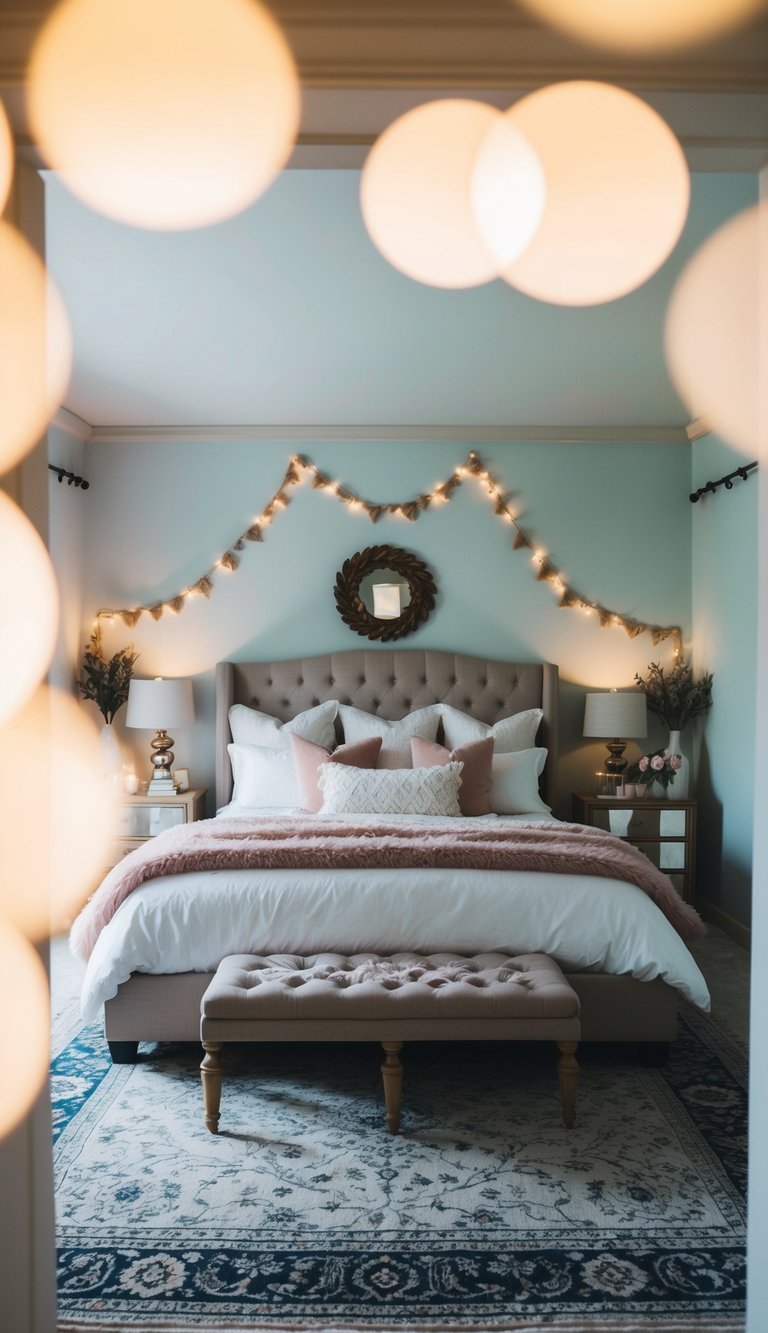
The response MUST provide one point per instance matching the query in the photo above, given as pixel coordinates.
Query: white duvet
(184, 923)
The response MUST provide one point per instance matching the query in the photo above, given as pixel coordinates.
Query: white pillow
(250, 727)
(402, 791)
(509, 733)
(263, 776)
(515, 783)
(395, 736)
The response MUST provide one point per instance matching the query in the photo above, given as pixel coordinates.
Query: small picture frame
(181, 779)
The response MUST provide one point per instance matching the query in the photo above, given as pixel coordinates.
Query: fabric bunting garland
(300, 470)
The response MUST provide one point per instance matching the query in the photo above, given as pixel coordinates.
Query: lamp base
(615, 763)
(162, 783)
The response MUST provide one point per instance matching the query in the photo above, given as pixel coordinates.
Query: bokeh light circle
(25, 1039)
(59, 814)
(7, 155)
(35, 347)
(508, 191)
(416, 192)
(167, 114)
(712, 332)
(644, 25)
(618, 191)
(29, 607)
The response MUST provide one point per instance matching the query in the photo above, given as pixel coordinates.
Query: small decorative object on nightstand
(665, 831)
(144, 816)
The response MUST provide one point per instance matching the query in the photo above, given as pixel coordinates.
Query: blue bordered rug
(484, 1213)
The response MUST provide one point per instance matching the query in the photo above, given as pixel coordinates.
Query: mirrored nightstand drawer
(143, 817)
(146, 821)
(679, 883)
(637, 822)
(666, 855)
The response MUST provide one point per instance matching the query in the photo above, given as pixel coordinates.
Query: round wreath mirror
(384, 592)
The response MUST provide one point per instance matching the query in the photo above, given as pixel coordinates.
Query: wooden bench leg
(210, 1071)
(568, 1071)
(392, 1073)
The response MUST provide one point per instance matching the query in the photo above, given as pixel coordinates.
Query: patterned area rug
(485, 1213)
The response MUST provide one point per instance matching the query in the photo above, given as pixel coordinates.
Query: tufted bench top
(390, 999)
(405, 986)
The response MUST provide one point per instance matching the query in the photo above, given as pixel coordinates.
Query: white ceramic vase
(678, 790)
(111, 755)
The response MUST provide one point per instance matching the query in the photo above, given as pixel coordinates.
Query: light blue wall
(331, 334)
(725, 641)
(160, 514)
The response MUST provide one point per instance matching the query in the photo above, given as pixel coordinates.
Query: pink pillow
(308, 757)
(476, 756)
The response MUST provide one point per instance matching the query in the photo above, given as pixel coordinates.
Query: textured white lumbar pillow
(390, 791)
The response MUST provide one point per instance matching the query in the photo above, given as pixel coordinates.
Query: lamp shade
(160, 704)
(616, 713)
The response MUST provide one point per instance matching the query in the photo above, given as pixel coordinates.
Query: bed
(628, 983)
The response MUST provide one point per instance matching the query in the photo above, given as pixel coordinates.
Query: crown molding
(466, 434)
(72, 424)
(462, 44)
(698, 428)
(743, 153)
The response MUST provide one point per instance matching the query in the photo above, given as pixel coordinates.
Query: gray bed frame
(390, 683)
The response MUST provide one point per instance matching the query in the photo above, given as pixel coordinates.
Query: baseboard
(728, 924)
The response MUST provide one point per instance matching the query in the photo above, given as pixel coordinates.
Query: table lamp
(620, 714)
(158, 705)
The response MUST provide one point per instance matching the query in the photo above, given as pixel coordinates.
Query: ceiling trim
(745, 152)
(464, 75)
(697, 429)
(469, 434)
(70, 422)
(348, 151)
(462, 44)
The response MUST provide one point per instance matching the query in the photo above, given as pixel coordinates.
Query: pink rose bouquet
(659, 766)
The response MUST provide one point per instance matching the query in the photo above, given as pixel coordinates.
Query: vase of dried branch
(678, 790)
(111, 755)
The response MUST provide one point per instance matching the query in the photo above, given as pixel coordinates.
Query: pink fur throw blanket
(307, 843)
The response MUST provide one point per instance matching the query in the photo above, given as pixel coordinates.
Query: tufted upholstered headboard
(388, 682)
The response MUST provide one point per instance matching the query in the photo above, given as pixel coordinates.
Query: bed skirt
(613, 1008)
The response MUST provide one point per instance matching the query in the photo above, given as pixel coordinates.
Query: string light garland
(301, 470)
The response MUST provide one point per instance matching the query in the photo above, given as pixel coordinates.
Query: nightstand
(665, 831)
(143, 817)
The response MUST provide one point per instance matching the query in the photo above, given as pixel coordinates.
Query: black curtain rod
(727, 482)
(72, 480)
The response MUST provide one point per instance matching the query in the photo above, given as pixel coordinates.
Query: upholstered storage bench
(405, 997)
